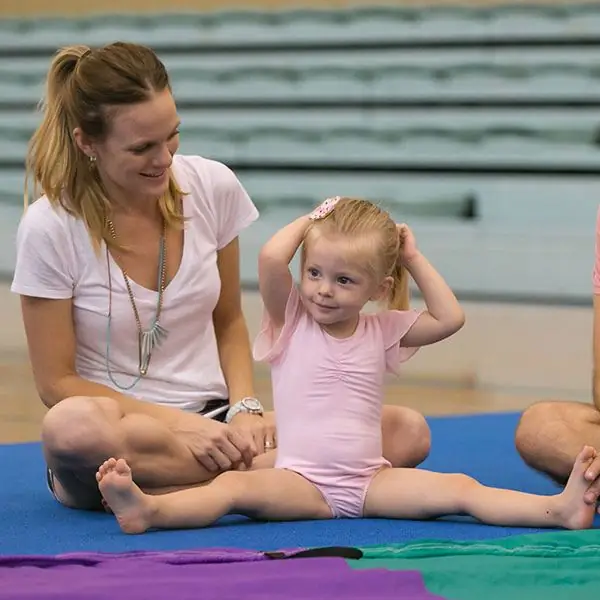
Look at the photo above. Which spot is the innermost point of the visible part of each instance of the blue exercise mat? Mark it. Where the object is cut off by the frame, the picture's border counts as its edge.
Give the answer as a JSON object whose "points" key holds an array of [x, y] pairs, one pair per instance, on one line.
{"points": [[481, 446]]}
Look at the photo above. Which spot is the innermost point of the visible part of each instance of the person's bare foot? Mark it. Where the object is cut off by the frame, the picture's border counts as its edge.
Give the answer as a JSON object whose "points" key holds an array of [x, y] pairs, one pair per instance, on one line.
{"points": [[573, 511], [130, 505]]}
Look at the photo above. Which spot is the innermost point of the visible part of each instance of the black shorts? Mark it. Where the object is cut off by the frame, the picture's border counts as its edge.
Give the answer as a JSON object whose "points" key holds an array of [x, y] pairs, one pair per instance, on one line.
{"points": [[222, 406]]}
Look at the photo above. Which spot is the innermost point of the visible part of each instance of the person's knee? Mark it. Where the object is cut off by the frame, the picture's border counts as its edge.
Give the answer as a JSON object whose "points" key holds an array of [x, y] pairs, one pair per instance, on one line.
{"points": [[418, 430], [535, 420], [532, 422], [544, 425], [236, 486], [79, 427], [409, 436]]}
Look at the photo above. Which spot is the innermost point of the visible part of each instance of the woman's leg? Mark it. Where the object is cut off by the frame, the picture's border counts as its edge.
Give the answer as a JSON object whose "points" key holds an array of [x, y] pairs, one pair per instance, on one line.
{"points": [[79, 434], [418, 494], [267, 494]]}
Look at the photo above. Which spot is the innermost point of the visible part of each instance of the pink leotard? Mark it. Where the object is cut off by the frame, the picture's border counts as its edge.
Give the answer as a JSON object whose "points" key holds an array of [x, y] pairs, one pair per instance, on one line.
{"points": [[328, 395]]}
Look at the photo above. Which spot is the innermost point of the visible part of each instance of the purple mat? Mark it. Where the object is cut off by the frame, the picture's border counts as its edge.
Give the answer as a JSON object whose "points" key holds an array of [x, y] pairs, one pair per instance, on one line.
{"points": [[205, 574]]}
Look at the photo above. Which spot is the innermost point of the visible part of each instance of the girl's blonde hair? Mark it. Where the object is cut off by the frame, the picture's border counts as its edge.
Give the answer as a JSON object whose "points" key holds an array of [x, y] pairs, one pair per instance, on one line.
{"points": [[82, 86], [361, 220]]}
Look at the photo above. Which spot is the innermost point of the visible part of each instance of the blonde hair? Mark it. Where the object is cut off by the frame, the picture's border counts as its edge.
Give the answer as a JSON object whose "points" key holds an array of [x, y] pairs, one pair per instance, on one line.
{"points": [[355, 218], [81, 86]]}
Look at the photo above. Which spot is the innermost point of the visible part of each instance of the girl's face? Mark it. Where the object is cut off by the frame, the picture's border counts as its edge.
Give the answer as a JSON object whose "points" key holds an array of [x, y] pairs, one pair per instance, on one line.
{"points": [[337, 282]]}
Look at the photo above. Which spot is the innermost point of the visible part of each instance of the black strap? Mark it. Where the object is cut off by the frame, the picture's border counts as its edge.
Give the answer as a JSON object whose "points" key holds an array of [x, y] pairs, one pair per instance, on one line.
{"points": [[346, 552]]}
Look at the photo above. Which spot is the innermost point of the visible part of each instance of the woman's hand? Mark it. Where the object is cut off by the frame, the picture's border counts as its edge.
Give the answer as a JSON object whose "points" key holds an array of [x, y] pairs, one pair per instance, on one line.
{"points": [[257, 430], [408, 244], [216, 446]]}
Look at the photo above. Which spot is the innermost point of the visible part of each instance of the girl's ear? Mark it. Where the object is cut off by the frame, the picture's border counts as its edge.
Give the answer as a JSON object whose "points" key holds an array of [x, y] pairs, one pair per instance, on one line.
{"points": [[383, 290]]}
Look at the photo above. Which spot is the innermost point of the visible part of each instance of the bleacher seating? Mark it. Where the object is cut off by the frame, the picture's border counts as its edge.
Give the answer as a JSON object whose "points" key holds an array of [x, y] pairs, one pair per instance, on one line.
{"points": [[479, 126]]}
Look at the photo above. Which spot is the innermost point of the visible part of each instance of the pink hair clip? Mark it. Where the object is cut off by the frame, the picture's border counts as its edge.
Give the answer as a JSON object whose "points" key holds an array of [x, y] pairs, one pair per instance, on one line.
{"points": [[324, 208]]}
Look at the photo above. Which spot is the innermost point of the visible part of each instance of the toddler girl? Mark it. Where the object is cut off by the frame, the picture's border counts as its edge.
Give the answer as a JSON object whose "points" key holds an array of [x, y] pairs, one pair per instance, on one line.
{"points": [[328, 360]]}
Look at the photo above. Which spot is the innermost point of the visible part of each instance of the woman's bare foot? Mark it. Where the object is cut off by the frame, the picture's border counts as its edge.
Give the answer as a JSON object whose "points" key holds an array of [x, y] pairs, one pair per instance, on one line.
{"points": [[130, 505], [572, 509]]}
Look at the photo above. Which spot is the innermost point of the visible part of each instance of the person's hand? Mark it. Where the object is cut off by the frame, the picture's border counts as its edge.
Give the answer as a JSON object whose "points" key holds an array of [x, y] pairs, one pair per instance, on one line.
{"points": [[259, 429], [408, 244], [216, 446], [592, 475]]}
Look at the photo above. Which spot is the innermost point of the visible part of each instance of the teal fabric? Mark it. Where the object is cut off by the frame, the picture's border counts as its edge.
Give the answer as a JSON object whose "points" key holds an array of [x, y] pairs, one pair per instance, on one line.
{"points": [[544, 566]]}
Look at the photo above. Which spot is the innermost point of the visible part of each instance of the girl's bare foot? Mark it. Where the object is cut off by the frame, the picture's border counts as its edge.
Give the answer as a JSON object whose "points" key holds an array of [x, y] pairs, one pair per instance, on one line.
{"points": [[572, 510], [130, 505]]}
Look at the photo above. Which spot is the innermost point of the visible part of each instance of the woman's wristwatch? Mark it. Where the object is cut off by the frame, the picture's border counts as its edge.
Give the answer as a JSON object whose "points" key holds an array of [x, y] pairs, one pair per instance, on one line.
{"points": [[246, 405]]}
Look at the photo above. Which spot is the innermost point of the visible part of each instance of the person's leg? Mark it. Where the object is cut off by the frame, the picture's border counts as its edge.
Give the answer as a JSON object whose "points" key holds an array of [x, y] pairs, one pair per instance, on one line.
{"points": [[550, 435], [161, 463], [406, 436], [78, 434], [267, 494], [419, 494]]}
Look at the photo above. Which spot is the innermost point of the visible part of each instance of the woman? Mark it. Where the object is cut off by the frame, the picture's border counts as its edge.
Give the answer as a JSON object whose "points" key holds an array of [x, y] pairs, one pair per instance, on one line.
{"points": [[128, 270]]}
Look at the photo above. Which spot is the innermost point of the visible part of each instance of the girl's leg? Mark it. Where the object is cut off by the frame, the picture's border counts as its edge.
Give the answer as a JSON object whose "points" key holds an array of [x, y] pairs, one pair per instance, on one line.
{"points": [[268, 494], [418, 494]]}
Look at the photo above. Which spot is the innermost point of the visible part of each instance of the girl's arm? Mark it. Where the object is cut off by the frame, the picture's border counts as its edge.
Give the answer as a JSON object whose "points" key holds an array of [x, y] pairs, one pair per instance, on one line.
{"points": [[444, 315], [274, 277]]}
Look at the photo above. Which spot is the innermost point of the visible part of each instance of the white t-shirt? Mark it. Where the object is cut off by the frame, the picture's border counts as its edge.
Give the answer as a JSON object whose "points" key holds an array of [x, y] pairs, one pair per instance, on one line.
{"points": [[55, 259]]}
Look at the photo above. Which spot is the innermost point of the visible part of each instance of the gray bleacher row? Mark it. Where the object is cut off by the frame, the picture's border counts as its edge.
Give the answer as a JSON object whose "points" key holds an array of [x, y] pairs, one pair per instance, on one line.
{"points": [[535, 235], [367, 147], [312, 25], [580, 123], [373, 76], [504, 63], [22, 122], [347, 87], [527, 204]]}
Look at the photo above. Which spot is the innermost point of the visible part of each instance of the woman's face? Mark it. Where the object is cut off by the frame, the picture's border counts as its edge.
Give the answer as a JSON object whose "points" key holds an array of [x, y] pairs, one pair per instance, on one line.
{"points": [[134, 158]]}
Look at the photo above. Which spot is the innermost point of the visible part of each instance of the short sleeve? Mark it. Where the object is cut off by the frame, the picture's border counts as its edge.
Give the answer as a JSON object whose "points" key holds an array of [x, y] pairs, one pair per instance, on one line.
{"points": [[43, 268], [596, 270], [395, 324], [235, 211], [269, 344]]}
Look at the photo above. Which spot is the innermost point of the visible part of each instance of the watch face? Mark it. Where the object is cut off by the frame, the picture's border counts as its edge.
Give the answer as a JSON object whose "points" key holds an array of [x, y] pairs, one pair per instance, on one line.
{"points": [[251, 403]]}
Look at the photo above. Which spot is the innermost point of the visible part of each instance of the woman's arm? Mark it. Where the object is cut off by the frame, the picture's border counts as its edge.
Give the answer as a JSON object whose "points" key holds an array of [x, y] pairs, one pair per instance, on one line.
{"points": [[231, 331], [51, 344], [235, 353]]}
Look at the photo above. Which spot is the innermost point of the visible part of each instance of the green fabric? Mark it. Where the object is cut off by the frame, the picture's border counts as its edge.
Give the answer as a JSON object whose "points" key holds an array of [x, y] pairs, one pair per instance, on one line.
{"points": [[547, 566]]}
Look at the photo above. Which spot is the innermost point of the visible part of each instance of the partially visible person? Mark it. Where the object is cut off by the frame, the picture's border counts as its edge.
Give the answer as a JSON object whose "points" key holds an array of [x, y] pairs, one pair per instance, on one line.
{"points": [[550, 434], [128, 272], [327, 362]]}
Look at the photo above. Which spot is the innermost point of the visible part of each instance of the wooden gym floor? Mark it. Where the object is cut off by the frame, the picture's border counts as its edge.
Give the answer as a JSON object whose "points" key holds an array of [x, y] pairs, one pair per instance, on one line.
{"points": [[505, 358]]}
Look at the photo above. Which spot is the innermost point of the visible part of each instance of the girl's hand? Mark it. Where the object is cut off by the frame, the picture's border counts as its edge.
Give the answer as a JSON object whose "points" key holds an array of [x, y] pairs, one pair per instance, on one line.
{"points": [[408, 245]]}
